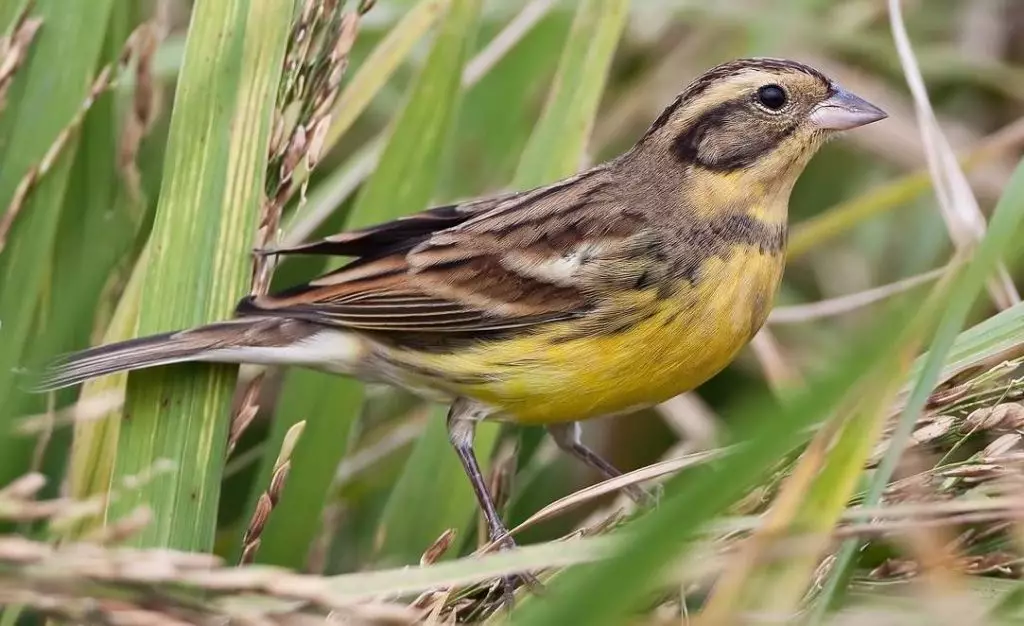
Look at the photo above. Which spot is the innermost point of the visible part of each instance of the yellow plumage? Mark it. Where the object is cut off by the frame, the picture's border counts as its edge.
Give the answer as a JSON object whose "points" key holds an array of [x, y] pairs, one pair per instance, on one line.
{"points": [[691, 336]]}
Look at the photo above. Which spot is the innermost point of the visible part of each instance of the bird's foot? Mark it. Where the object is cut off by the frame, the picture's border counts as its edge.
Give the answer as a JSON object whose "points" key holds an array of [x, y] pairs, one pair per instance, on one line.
{"points": [[643, 497], [507, 585]]}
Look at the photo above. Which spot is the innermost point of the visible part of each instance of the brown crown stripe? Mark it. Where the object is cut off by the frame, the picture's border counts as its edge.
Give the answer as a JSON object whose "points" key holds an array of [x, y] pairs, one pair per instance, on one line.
{"points": [[731, 68], [697, 88]]}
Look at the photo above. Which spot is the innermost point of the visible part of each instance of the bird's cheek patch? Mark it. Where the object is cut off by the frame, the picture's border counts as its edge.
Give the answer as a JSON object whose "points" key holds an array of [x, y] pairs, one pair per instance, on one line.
{"points": [[729, 137]]}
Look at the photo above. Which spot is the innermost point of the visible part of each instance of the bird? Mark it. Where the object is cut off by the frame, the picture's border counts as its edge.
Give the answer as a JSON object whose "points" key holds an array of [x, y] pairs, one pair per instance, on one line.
{"points": [[609, 291]]}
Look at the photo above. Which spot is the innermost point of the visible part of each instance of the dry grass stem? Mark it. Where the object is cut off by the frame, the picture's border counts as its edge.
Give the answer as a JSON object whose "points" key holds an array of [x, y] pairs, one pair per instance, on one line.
{"points": [[315, 63], [146, 98], [934, 550], [587, 494], [959, 207], [14, 50], [76, 565], [86, 410], [121, 530], [136, 45], [693, 421], [23, 487], [18, 500], [192, 588], [496, 49], [47, 575], [503, 42], [802, 313], [439, 547], [776, 366], [368, 457], [246, 412], [37, 171], [271, 496]]}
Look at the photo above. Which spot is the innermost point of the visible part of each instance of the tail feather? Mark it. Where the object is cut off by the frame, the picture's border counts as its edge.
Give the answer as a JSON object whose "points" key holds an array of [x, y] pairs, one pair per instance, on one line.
{"points": [[226, 342]]}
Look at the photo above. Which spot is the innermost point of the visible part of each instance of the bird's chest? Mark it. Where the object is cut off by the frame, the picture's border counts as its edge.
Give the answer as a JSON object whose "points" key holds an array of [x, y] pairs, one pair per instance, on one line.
{"points": [[701, 327], [690, 334]]}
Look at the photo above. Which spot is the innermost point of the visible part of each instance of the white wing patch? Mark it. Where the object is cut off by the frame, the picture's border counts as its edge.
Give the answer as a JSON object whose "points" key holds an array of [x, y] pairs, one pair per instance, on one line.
{"points": [[330, 350], [562, 270]]}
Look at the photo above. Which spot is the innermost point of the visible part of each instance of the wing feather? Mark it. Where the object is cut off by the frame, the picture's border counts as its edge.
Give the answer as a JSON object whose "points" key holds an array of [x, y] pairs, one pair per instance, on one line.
{"points": [[513, 261]]}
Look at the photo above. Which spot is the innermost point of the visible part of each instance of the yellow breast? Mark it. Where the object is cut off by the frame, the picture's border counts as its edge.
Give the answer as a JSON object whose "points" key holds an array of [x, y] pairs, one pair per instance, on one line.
{"points": [[687, 338]]}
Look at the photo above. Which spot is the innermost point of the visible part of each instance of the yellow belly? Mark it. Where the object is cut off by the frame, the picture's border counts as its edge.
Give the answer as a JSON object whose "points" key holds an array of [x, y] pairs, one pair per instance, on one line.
{"points": [[689, 338]]}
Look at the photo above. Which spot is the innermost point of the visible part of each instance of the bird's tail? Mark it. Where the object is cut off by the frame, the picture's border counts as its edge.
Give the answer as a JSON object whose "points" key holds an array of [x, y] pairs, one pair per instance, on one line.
{"points": [[246, 340]]}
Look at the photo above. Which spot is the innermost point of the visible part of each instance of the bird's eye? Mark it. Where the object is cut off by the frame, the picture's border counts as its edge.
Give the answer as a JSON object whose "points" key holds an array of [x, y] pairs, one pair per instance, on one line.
{"points": [[772, 97]]}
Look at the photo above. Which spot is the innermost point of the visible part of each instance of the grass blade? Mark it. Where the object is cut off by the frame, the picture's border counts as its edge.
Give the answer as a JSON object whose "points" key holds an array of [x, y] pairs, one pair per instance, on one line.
{"points": [[47, 93], [814, 496], [199, 258], [99, 207], [374, 73], [94, 445], [414, 155], [559, 140], [330, 406]]}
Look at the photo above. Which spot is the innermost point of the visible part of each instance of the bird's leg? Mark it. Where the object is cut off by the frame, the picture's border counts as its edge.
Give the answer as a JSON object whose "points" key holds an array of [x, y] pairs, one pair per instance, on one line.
{"points": [[461, 430], [567, 437], [462, 420]]}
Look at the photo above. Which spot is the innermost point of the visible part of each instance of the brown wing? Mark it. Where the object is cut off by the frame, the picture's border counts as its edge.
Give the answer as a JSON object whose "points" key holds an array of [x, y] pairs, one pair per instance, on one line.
{"points": [[474, 268]]}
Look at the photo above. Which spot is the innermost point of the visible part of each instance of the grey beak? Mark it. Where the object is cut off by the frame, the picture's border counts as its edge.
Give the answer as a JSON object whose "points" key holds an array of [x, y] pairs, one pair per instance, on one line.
{"points": [[844, 110]]}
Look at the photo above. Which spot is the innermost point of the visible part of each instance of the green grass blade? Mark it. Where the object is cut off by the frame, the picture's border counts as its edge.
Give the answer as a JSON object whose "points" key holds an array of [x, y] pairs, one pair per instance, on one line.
{"points": [[48, 90], [403, 183], [558, 143], [414, 155], [199, 258], [386, 57], [817, 491], [98, 208], [993, 337], [94, 446]]}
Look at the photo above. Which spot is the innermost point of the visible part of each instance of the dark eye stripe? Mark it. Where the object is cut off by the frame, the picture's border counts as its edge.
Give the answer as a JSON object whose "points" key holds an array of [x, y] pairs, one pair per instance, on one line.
{"points": [[720, 141]]}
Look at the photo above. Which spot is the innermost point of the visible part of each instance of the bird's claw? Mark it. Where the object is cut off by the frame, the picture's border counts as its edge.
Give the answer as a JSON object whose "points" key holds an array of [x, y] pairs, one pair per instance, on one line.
{"points": [[507, 585], [643, 497]]}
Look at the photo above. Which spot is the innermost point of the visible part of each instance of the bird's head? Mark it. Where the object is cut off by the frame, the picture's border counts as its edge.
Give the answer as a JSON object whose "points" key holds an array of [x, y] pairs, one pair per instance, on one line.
{"points": [[755, 121]]}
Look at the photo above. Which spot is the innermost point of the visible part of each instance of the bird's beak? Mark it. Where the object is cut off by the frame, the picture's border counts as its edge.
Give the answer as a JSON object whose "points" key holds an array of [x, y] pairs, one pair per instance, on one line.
{"points": [[844, 110]]}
